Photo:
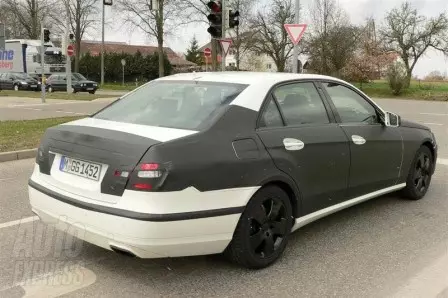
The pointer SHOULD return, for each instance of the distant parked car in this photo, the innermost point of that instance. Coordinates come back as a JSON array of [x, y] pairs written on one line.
[[18, 81], [58, 82]]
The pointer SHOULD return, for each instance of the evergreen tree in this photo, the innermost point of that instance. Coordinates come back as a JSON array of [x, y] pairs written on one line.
[[193, 53]]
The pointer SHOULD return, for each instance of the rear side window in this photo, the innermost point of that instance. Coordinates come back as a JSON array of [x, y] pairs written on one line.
[[271, 116], [300, 103], [174, 104]]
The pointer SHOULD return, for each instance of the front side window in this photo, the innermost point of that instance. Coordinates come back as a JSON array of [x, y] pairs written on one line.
[[351, 107], [174, 104], [300, 103]]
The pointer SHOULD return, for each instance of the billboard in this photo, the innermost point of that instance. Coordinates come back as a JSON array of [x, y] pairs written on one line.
[[6, 59]]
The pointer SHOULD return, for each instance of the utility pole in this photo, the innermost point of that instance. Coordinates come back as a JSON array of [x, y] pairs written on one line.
[[42, 57], [102, 45], [2, 36], [295, 54], [68, 59], [224, 25]]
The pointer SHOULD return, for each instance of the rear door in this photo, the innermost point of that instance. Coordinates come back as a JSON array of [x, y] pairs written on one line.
[[299, 131], [376, 150]]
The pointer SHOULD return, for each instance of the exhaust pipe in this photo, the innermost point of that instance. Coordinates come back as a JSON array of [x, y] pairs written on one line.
[[122, 251]]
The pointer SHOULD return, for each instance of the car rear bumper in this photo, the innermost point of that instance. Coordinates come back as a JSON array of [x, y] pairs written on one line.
[[142, 234]]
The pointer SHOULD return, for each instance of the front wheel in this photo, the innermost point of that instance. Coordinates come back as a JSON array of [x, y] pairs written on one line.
[[16, 87], [263, 229], [420, 173], [50, 89]]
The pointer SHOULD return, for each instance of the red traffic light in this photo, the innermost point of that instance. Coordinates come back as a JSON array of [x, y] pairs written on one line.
[[215, 6]]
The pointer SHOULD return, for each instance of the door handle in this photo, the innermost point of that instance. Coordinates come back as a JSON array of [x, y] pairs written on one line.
[[358, 140], [293, 144]]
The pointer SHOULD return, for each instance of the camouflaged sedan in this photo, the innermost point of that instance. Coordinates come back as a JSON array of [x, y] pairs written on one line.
[[207, 163]]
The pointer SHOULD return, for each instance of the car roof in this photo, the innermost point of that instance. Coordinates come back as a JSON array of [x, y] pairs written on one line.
[[244, 77], [259, 83]]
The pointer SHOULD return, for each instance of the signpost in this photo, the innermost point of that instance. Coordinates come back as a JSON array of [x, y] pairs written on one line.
[[123, 63], [295, 32], [207, 54], [70, 50]]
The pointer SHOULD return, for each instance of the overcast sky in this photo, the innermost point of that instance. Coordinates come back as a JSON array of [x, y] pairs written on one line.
[[358, 10]]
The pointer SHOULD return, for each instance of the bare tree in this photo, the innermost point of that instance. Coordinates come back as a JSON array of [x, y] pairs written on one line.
[[82, 14], [270, 37], [13, 27], [411, 34], [242, 35], [28, 14], [156, 23], [333, 40]]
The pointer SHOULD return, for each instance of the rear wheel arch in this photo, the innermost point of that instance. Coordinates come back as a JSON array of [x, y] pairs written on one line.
[[289, 187]]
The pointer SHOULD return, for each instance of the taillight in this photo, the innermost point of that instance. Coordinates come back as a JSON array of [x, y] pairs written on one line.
[[147, 176], [142, 186]]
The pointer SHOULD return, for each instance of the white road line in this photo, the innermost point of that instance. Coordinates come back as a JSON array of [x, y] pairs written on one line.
[[430, 282], [433, 114], [442, 161], [428, 123], [18, 222]]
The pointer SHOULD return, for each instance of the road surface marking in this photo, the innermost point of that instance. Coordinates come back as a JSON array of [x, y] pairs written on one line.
[[18, 222], [430, 282], [442, 161], [66, 281], [433, 114], [428, 123]]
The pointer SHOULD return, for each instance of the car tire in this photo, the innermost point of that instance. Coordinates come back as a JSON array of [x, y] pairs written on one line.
[[92, 92], [16, 88], [50, 89], [420, 174], [261, 236]]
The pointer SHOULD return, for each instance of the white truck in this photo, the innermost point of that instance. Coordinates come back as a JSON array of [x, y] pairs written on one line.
[[24, 55]]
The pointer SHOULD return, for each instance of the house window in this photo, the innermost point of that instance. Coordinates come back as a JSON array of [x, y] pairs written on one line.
[[232, 64], [269, 66]]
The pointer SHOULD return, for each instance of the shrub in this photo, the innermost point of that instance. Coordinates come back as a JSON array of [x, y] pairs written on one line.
[[396, 77]]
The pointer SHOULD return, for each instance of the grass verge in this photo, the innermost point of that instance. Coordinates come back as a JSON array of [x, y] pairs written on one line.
[[26, 134], [54, 95], [420, 90]]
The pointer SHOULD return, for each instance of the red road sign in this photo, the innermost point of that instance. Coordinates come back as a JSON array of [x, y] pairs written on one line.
[[295, 32], [225, 44], [70, 50], [207, 52]]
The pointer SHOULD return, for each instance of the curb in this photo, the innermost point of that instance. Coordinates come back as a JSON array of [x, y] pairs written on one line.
[[17, 155]]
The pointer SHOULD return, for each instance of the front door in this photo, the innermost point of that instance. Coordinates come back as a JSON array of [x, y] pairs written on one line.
[[301, 136], [376, 150]]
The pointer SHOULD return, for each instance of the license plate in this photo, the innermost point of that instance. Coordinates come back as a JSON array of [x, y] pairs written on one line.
[[81, 168], [89, 88], [33, 86]]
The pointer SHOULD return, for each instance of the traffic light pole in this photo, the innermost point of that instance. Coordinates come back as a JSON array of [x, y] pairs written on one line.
[[295, 54], [224, 25], [42, 57]]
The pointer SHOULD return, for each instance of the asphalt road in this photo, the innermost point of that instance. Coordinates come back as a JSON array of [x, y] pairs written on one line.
[[387, 247]]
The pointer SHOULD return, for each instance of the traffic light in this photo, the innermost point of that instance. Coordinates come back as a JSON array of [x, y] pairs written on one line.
[[215, 18], [46, 35], [233, 19], [71, 37]]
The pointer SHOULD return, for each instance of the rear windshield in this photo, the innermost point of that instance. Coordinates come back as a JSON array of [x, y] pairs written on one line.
[[173, 104]]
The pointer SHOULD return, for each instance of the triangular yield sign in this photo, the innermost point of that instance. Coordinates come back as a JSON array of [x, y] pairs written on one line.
[[225, 44], [295, 31]]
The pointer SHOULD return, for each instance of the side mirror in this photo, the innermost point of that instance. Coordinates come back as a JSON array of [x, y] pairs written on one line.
[[391, 119]]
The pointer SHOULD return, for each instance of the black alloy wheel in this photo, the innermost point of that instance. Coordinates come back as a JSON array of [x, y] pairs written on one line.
[[263, 229], [420, 173]]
